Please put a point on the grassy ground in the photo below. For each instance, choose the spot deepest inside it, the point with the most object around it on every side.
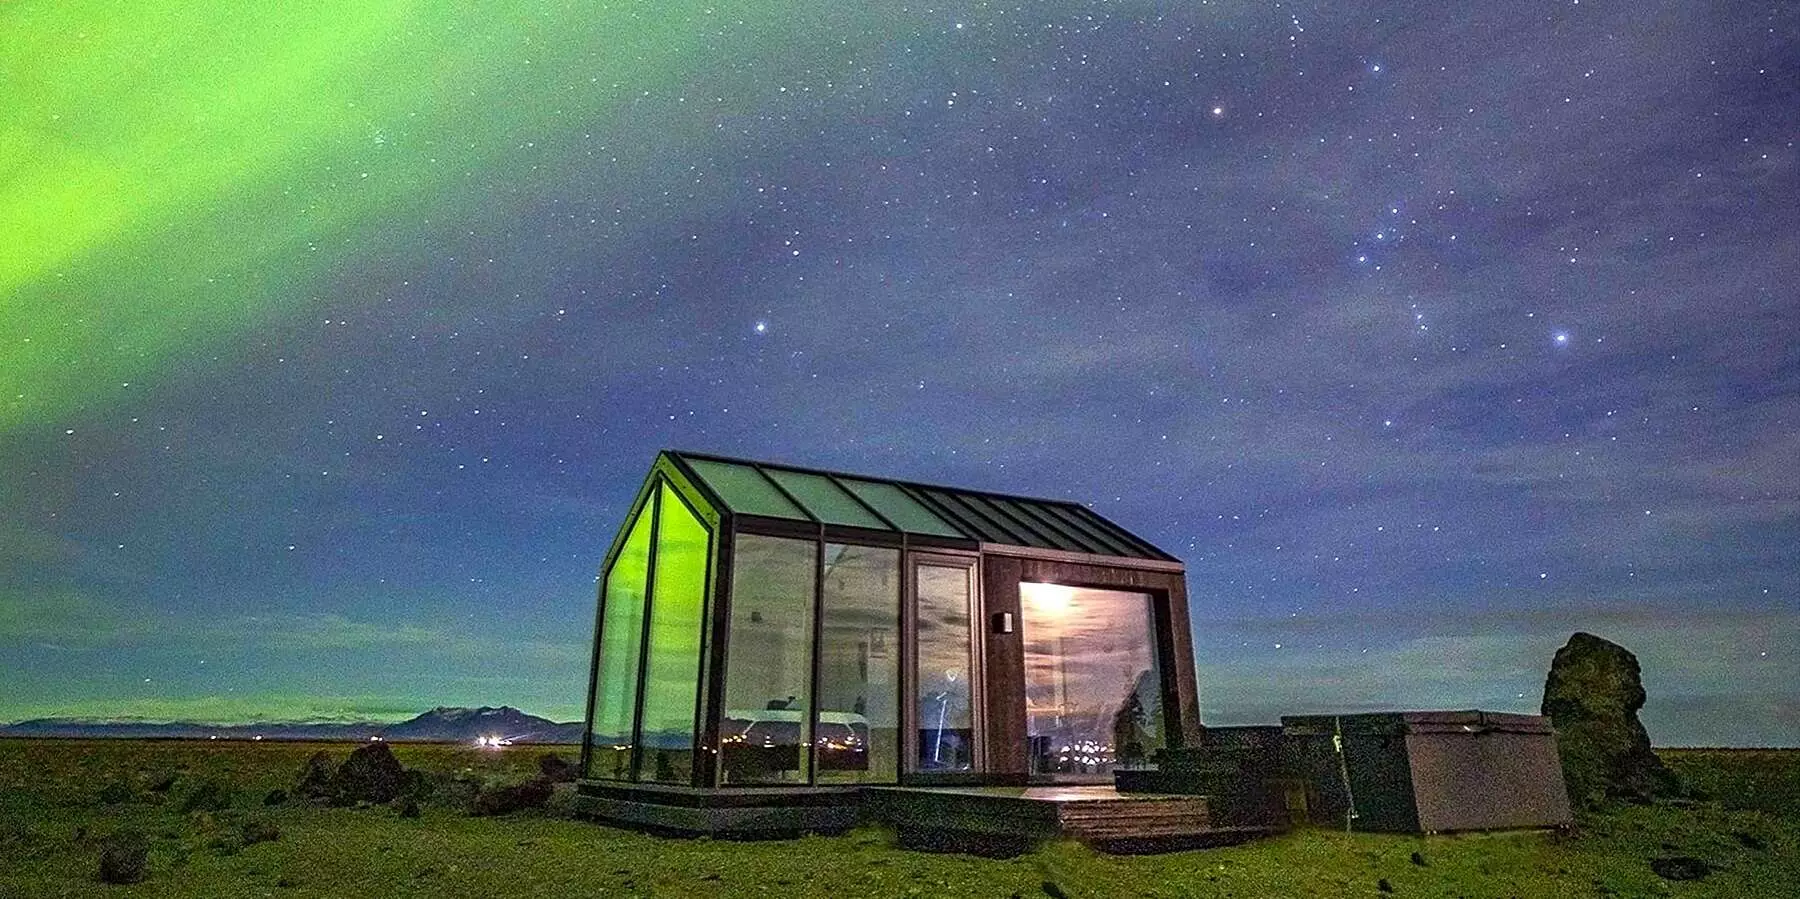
(52, 818)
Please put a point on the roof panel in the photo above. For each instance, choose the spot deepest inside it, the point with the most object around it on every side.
(1117, 534)
(895, 505)
(834, 498)
(744, 489)
(983, 522)
(1073, 517)
(1059, 536)
(1030, 532)
(826, 500)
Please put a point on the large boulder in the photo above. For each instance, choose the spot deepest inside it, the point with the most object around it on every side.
(1592, 696)
(370, 774)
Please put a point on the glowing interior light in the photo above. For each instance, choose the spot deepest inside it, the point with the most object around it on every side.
(1053, 599)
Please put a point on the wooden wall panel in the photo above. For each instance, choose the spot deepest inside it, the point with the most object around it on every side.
(1004, 686)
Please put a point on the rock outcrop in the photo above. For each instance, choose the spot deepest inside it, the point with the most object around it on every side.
(1592, 696)
(371, 774)
(533, 793)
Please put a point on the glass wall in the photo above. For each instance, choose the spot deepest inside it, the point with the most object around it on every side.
(672, 669)
(646, 678)
(1093, 685)
(858, 725)
(764, 730)
(621, 636)
(946, 715)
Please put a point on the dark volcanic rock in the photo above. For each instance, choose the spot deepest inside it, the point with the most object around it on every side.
(556, 769)
(315, 778)
(1680, 867)
(124, 857)
(1593, 696)
(370, 774)
(533, 793)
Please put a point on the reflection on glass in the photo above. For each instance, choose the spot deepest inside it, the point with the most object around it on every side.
(621, 635)
(946, 720)
(1093, 696)
(858, 729)
(768, 664)
(672, 672)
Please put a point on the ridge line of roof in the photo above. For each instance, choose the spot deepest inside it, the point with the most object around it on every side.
(739, 460)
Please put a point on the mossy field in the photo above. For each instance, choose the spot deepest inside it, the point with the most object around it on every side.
(201, 807)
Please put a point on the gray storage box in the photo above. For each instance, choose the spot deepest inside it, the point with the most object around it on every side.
(1428, 772)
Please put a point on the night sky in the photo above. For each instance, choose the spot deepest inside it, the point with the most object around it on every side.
(338, 337)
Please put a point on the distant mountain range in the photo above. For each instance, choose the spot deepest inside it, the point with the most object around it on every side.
(440, 725)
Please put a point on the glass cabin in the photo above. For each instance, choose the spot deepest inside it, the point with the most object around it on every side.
(765, 626)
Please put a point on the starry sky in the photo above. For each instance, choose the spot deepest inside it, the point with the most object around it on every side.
(337, 337)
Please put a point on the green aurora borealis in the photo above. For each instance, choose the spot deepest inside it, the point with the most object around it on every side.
(178, 175)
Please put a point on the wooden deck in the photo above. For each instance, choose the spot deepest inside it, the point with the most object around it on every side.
(985, 820)
(1098, 815)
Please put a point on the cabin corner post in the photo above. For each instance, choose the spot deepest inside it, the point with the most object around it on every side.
(1187, 730)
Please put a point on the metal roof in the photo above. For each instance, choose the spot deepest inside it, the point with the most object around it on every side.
(772, 490)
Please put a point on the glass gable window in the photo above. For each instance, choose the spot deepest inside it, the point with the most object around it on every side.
(647, 669)
(857, 731)
(672, 666)
(621, 636)
(764, 729)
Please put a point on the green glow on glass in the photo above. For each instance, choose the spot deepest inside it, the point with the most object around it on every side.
(672, 673)
(621, 635)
